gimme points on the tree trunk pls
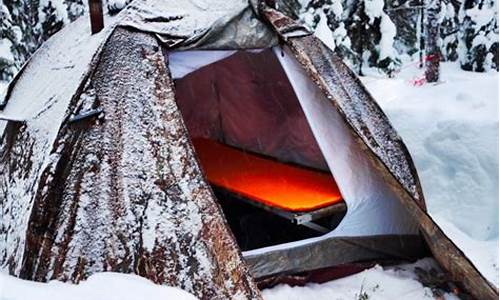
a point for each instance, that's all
(432, 51)
(421, 37)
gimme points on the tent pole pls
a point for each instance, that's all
(96, 17)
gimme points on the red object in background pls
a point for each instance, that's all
(316, 276)
(419, 81)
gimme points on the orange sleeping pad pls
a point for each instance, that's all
(264, 180)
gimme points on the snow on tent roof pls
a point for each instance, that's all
(61, 63)
(201, 24)
(51, 77)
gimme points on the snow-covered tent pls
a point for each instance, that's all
(99, 169)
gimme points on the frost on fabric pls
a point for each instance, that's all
(123, 192)
(201, 24)
(355, 103)
(120, 191)
(360, 110)
(53, 74)
(39, 96)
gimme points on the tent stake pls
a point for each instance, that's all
(96, 18)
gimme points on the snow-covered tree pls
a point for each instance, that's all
(360, 31)
(372, 35)
(50, 18)
(326, 16)
(449, 29)
(115, 6)
(478, 47)
(7, 64)
(19, 35)
(26, 24)
(75, 8)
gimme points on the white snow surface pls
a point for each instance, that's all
(324, 33)
(100, 286)
(451, 130)
(376, 283)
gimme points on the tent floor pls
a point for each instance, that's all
(255, 228)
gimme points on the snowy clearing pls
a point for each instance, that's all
(101, 286)
(451, 130)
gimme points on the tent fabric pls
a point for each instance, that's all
(204, 94)
(201, 24)
(54, 204)
(246, 101)
(334, 251)
(381, 145)
(267, 181)
(369, 199)
(181, 63)
(355, 104)
(122, 192)
(180, 25)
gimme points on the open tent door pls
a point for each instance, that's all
(260, 111)
(256, 147)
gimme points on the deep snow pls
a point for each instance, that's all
(451, 130)
(101, 286)
(376, 283)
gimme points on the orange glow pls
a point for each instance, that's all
(267, 181)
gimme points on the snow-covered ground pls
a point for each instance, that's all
(374, 284)
(451, 130)
(101, 286)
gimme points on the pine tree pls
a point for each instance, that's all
(372, 35)
(449, 29)
(51, 22)
(332, 13)
(20, 35)
(7, 64)
(75, 8)
(26, 24)
(405, 14)
(115, 6)
(363, 33)
(478, 47)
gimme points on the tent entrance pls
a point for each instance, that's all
(267, 202)
(257, 149)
